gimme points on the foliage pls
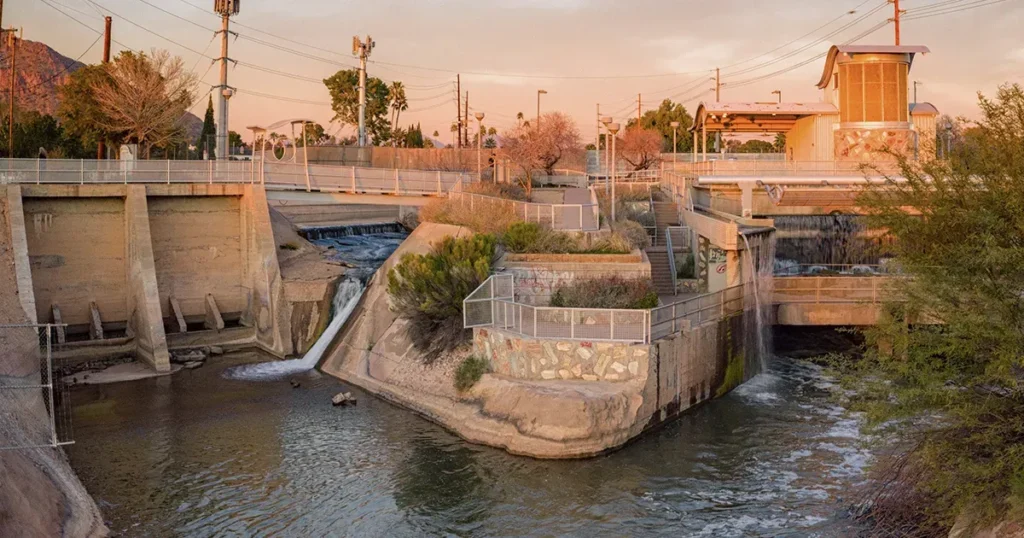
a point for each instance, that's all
(428, 289)
(497, 190)
(289, 246)
(344, 89)
(80, 114)
(531, 149)
(208, 136)
(34, 131)
(955, 389)
(660, 120)
(398, 103)
(313, 134)
(641, 148)
(751, 146)
(495, 220)
(779, 145)
(686, 266)
(610, 292)
(634, 233)
(469, 372)
(521, 236)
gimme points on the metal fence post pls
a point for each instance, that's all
(168, 171)
(49, 383)
(611, 325)
(82, 181)
(209, 167)
(572, 323)
(353, 179)
(37, 170)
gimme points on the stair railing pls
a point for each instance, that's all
(671, 261)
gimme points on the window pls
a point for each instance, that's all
(873, 92)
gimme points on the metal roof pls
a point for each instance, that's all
(756, 117)
(923, 109)
(836, 50)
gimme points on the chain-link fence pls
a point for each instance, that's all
(568, 217)
(33, 396)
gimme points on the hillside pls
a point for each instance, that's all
(41, 70)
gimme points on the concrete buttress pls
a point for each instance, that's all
(145, 319)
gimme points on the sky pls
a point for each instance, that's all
(582, 52)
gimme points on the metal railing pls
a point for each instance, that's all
(567, 217)
(832, 269)
(352, 179)
(786, 168)
(671, 261)
(667, 320)
(34, 340)
(832, 290)
(492, 305)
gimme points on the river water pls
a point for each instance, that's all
(202, 453)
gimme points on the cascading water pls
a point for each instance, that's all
(826, 239)
(758, 290)
(364, 246)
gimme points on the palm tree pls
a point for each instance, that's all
(455, 127)
(399, 103)
(519, 118)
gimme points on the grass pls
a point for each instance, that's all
(469, 372)
(289, 246)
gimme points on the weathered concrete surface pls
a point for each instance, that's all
(39, 493)
(835, 314)
(19, 246)
(266, 309)
(77, 250)
(145, 320)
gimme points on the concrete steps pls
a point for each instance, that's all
(661, 271)
(665, 214)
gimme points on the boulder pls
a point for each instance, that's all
(343, 398)
(192, 365)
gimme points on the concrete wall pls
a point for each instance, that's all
(538, 276)
(77, 250)
(145, 322)
(523, 357)
(197, 251)
(261, 274)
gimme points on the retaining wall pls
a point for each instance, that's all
(539, 275)
(523, 357)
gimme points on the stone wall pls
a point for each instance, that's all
(538, 276)
(522, 357)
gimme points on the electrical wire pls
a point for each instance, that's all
(954, 9)
(66, 67)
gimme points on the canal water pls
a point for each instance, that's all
(205, 453)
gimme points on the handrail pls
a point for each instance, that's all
(671, 260)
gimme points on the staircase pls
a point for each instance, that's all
(661, 272)
(665, 214)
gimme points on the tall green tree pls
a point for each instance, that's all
(398, 103)
(945, 368)
(80, 114)
(344, 89)
(207, 140)
(661, 120)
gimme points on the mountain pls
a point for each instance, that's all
(40, 70)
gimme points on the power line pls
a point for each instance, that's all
(66, 67)
(954, 9)
(282, 98)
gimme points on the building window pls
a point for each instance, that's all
(873, 92)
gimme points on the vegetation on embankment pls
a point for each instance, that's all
(610, 292)
(952, 392)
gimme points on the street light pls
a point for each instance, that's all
(539, 93)
(675, 131)
(605, 120)
(779, 93)
(613, 128)
(479, 145)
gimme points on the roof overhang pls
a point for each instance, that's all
(923, 109)
(755, 117)
(852, 50)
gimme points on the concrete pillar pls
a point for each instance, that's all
(733, 268)
(747, 198)
(145, 319)
(266, 309)
(19, 247)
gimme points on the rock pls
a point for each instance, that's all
(618, 367)
(192, 365)
(634, 368)
(565, 374)
(577, 370)
(589, 377)
(584, 353)
(186, 356)
(216, 350)
(611, 377)
(295, 384)
(563, 346)
(548, 374)
(343, 398)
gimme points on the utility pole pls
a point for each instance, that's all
(466, 115)
(597, 140)
(458, 108)
(718, 85)
(915, 91)
(363, 50)
(13, 42)
(897, 13)
(225, 8)
(639, 105)
(101, 147)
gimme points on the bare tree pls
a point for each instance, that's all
(641, 148)
(534, 149)
(146, 96)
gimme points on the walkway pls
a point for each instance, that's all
(570, 210)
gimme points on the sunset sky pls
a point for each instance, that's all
(506, 50)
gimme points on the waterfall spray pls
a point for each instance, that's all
(758, 295)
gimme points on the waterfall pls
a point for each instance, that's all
(344, 302)
(331, 232)
(758, 290)
(826, 239)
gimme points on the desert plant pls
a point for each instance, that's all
(497, 190)
(521, 237)
(610, 292)
(634, 233)
(470, 370)
(428, 290)
(491, 217)
(614, 243)
(685, 266)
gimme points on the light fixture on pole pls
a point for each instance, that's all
(479, 145)
(675, 133)
(605, 120)
(539, 93)
(613, 128)
(779, 93)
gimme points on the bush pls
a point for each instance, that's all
(492, 219)
(289, 246)
(555, 242)
(521, 237)
(614, 243)
(611, 292)
(428, 290)
(634, 233)
(469, 372)
(685, 266)
(497, 190)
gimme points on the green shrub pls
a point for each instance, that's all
(521, 237)
(428, 290)
(634, 233)
(611, 292)
(289, 246)
(685, 266)
(614, 243)
(469, 372)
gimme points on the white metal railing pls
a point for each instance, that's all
(833, 269)
(568, 217)
(786, 168)
(832, 290)
(37, 339)
(671, 260)
(493, 304)
(298, 176)
(667, 320)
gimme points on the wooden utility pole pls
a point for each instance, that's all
(639, 107)
(897, 13)
(718, 85)
(466, 116)
(13, 43)
(101, 148)
(1, 16)
(458, 108)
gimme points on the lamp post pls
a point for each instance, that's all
(479, 145)
(539, 93)
(779, 93)
(613, 128)
(675, 131)
(605, 120)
